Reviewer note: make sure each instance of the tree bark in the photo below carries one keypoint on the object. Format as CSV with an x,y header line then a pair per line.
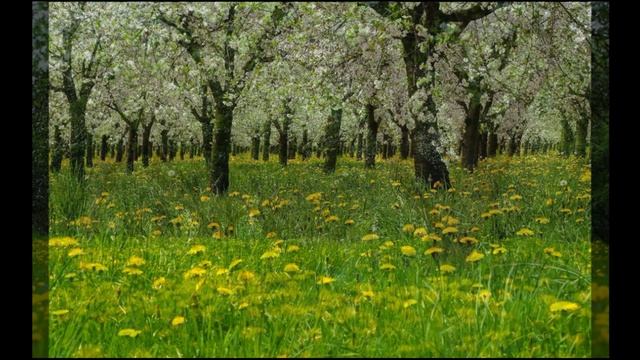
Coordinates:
x,y
120,149
132,144
104,147
359,144
404,142
291,154
372,135
182,150
471,134
255,146
484,140
219,180
164,138
146,146
305,146
428,163
89,150
266,140
492,147
582,127
332,140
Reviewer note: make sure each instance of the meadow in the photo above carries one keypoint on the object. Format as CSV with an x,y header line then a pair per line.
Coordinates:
x,y
297,263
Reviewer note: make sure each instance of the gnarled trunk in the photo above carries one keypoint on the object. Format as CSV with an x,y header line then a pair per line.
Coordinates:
x,y
291,153
132,144
207,138
146,145
266,140
332,140
471,135
103,147
219,179
404,142
428,164
372,135
255,146
164,138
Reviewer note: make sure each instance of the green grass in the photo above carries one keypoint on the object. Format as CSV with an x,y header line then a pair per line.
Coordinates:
x,y
497,306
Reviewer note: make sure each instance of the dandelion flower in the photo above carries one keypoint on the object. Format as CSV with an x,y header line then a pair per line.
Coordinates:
x,y
474,256
499,250
370,237
367,293
224,291
291,268
449,230
331,218
246,275
524,232
447,268
254,212
468,240
325,280
408,228
204,198
60,312
419,232
434,250
349,222
75,252
194,272
408,250
159,283
409,302
542,220
293,248
135,261
129,332
132,271
178,320
563,306
196,249
387,266
484,295
270,254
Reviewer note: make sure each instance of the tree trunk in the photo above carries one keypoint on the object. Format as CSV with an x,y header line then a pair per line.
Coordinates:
x,y
172,149
77,146
89,150
492,147
284,138
207,138
471,134
219,180
182,150
404,142
103,147
484,139
146,146
266,140
428,163
132,144
305,147
291,154
359,144
120,149
192,149
332,140
582,127
164,137
372,135
255,146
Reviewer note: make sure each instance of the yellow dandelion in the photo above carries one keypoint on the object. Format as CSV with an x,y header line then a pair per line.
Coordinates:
x,y
196,249
408,228
60,312
204,198
563,306
254,212
542,220
474,256
419,232
270,254
132,271
409,302
408,250
370,237
271,235
449,230
224,291
159,283
246,275
178,320
75,252
499,250
524,232
349,222
387,266
135,261
331,218
293,248
194,272
213,225
129,332
484,294
447,268
290,268
468,240
325,280
434,250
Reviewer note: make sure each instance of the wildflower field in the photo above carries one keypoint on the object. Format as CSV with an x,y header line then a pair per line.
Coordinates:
x,y
296,263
